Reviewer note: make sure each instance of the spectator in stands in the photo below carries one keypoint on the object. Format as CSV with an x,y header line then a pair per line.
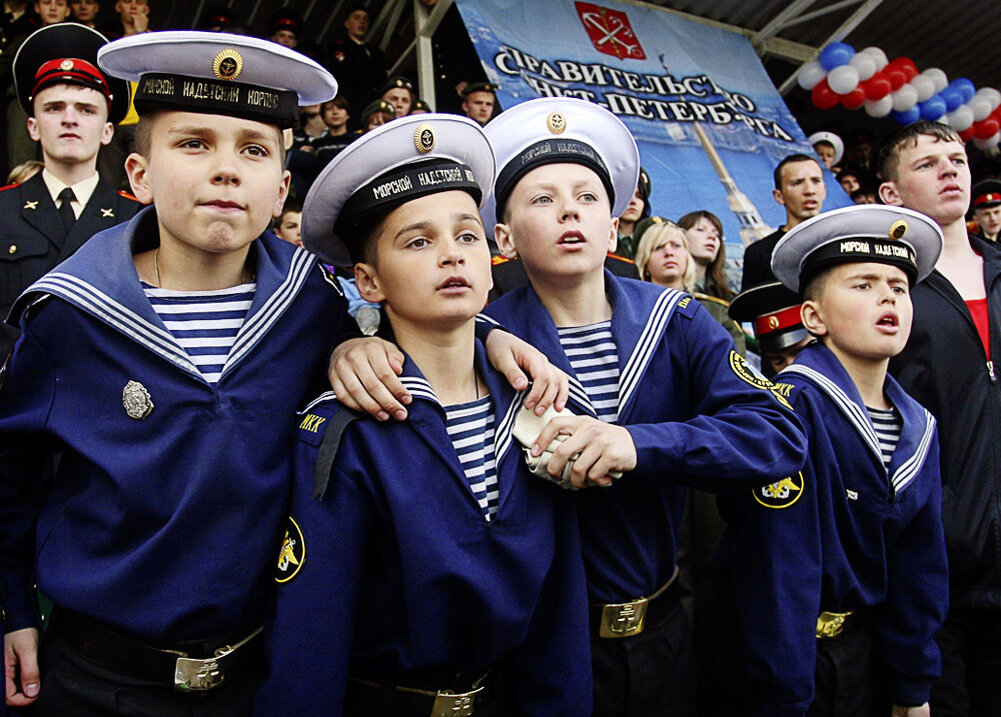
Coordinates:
x,y
828,147
637,209
850,178
420,107
378,113
858,149
800,188
25,171
133,19
288,225
84,12
662,255
284,27
864,195
335,115
399,92
479,101
987,208
704,231
360,68
52,11
219,18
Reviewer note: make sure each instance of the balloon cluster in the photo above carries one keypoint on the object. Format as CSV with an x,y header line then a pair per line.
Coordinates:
x,y
868,79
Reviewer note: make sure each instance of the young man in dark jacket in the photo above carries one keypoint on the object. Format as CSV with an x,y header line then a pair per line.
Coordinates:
x,y
948,366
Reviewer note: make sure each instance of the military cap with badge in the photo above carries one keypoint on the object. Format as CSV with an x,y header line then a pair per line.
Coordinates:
x,y
479,87
986,193
863,233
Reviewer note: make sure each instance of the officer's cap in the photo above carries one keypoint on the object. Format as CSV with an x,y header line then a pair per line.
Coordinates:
x,y
552,130
377,106
398,82
774,312
393,164
218,73
218,18
861,233
285,18
986,193
832,139
479,87
66,53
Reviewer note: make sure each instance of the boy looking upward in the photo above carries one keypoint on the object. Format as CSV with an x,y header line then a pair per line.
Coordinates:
x,y
659,391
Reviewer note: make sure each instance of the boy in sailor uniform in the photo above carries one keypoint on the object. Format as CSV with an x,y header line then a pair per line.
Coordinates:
x,y
160,360
659,391
839,570
422,557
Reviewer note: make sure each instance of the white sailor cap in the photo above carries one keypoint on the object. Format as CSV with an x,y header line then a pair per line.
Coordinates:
x,y
832,139
396,162
552,130
861,233
218,73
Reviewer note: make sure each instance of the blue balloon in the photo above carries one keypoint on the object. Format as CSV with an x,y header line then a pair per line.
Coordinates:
x,y
835,55
932,108
908,117
966,86
953,98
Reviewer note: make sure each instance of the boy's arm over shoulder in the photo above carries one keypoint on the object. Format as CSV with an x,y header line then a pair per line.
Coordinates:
x,y
741,431
772,549
309,631
917,594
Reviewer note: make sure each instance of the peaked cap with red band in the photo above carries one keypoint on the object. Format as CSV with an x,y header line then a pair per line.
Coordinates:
x,y
66,53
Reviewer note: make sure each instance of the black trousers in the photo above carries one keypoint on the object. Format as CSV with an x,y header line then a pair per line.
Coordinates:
x,y
970,643
844,681
73,686
647,675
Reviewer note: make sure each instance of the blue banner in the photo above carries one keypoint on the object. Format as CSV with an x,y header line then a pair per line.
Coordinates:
x,y
710,125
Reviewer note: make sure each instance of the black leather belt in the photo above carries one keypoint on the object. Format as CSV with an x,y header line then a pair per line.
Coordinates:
x,y
194,665
463,696
630,618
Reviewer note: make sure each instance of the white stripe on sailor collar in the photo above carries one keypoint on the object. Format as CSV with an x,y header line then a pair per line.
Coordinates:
x,y
646,346
908,470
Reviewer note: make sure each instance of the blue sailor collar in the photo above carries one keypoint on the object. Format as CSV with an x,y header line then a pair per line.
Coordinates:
x,y
640,314
101,279
817,364
427,415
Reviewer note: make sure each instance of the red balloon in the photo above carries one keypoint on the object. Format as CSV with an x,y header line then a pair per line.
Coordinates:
x,y
854,99
907,65
966,135
823,96
896,76
876,87
985,129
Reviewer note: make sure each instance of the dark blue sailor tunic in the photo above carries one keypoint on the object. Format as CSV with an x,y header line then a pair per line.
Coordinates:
x,y
696,413
394,575
845,534
162,525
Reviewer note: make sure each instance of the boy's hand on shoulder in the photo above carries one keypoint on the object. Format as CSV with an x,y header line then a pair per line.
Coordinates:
x,y
364,374
603,447
920,711
514,358
20,656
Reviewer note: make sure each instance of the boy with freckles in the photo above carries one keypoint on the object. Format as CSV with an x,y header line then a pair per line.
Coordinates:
x,y
660,394
192,330
839,571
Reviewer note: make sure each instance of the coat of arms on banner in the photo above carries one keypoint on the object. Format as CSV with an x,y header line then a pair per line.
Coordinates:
x,y
610,31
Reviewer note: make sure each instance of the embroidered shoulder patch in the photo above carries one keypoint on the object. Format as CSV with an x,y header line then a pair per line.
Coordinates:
x,y
781,494
745,372
293,553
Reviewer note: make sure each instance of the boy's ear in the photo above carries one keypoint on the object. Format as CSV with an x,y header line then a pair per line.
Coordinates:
x,y
502,235
368,283
107,133
613,237
137,169
889,195
33,130
276,210
812,318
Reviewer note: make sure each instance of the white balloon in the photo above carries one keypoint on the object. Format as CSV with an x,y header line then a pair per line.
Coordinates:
x,y
864,64
991,95
981,107
811,74
843,79
986,144
879,108
878,55
904,98
937,76
960,119
925,87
